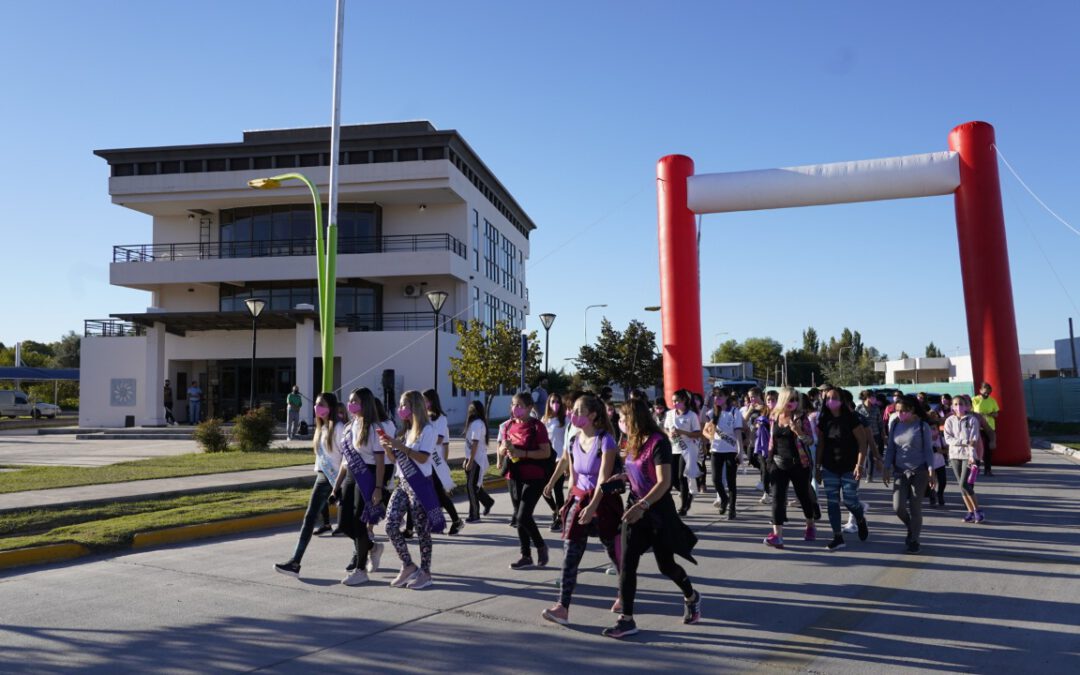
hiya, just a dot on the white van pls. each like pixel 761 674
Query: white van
pixel 14 404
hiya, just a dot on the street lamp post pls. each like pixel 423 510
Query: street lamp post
pixel 547 319
pixel 436 298
pixel 325 265
pixel 587 321
pixel 255 307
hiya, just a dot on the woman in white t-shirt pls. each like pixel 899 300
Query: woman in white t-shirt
pixel 326 443
pixel 440 469
pixel 684 427
pixel 361 443
pixel 417 443
pixel 476 461
pixel 556 422
pixel 723 427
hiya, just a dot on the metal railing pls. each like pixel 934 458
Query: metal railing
pixel 270 248
pixel 394 321
pixel 111 328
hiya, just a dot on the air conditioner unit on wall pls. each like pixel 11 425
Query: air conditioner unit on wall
pixel 412 291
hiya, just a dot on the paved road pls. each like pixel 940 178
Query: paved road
pixel 999 597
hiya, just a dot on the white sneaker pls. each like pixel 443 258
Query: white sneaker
pixel 717 503
pixel 405 576
pixel 850 526
pixel 355 578
pixel 374 557
pixel 420 581
pixel 765 498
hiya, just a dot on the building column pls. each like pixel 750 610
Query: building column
pixel 305 364
pixel 154 378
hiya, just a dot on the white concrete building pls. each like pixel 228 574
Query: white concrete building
pixel 958 368
pixel 418 211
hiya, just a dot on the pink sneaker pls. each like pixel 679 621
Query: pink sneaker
pixel 774 540
pixel 811 533
pixel 557 614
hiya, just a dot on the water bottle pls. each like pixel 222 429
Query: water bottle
pixel 973 473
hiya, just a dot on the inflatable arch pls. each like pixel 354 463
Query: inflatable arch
pixel 968 170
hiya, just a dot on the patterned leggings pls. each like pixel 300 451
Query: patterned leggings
pixel 403 500
pixel 573 551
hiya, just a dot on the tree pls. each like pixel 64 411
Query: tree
pixel 810 342
pixel 763 352
pixel 628 358
pixel 66 351
pixel 490 358
pixel 904 355
pixel 728 352
pixel 932 351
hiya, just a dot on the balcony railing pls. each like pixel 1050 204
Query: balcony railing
pixel 272 248
pixel 111 328
pixel 394 321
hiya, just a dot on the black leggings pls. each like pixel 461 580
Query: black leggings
pixel 685 498
pixel 349 509
pixel 940 474
pixel 530 491
pixel 573 552
pixel 477 494
pixel 557 498
pixel 799 478
pixel 725 464
pixel 639 538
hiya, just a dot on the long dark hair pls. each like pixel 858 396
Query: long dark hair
pixel 640 425
pixel 686 397
pixel 369 413
pixel 845 401
pixel 476 412
pixel 330 401
pixel 435 411
pixel 560 415
pixel 912 404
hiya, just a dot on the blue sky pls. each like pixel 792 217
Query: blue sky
pixel 571 104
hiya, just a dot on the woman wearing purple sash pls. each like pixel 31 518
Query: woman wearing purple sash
pixel 361 482
pixel 650 520
pixel 411 452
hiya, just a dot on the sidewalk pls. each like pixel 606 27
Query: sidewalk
pixel 998 597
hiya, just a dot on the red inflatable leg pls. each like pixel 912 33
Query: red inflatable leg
pixel 680 296
pixel 984 264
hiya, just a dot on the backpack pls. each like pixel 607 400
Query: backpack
pixel 303 428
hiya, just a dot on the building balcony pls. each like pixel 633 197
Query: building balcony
pixel 182 323
pixel 148 266
pixel 141 253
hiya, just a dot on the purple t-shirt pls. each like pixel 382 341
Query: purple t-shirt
pixel 587 464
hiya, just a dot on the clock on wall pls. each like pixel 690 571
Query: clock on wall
pixel 122 392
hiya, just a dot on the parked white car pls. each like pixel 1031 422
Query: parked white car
pixel 14 404
pixel 42 409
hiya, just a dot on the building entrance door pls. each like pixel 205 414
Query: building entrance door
pixel 274 379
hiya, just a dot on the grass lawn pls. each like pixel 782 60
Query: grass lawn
pixel 194 464
pixel 109 526
pixel 1074 446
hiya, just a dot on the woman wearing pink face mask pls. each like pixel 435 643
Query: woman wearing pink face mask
pixel 326 443
pixel 843 446
pixel 590 509
pixel 555 421
pixel 789 464
pixel 909 455
pixel 526 445
pixel 683 426
pixel 965 453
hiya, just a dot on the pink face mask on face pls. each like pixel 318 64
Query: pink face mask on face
pixel 354 408
pixel 404 413
pixel 579 421
pixel 834 404
pixel 322 411
pixel 518 412
pixel 555 407
pixel 961 410
pixel 681 407
pixel 904 416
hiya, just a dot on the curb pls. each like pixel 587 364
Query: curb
pixel 41 554
pixel 1064 450
pixel 52 553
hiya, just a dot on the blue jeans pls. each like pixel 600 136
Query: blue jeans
pixel 194 410
pixel 835 484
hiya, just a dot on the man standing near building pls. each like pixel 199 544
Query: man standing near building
pixel 985 405
pixel 293 403
pixel 540 396
pixel 194 402
pixel 168 396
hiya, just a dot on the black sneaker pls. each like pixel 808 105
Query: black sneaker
pixel 864 531
pixel 408 534
pixel 322 530
pixel 542 557
pixel 691 610
pixel 352 565
pixel 456 527
pixel 524 562
pixel 836 544
pixel 556 525
pixel 473 520
pixel 487 509
pixel 913 546
pixel 621 629
pixel 289 568
pixel 731 515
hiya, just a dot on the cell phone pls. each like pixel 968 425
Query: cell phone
pixel 381 432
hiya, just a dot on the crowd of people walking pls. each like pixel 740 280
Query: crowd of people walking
pixel 612 472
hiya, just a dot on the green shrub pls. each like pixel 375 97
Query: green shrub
pixel 211 437
pixel 254 430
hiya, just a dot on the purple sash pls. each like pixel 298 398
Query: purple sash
pixel 365 481
pixel 424 490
